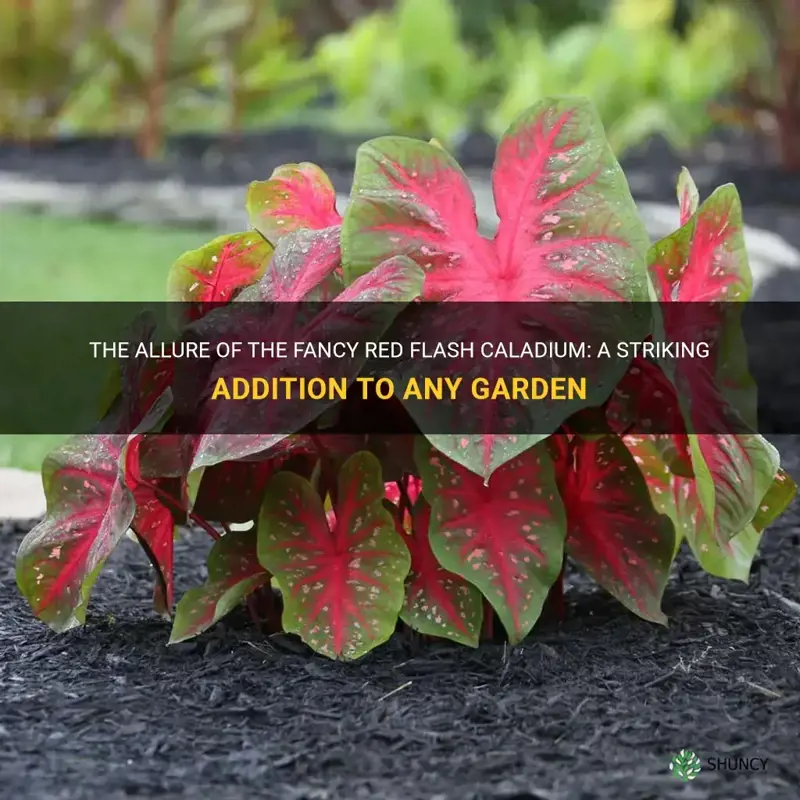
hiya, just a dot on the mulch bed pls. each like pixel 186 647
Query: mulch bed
pixel 591 709
pixel 211 160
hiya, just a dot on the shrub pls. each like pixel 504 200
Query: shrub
pixel 644 78
pixel 261 75
pixel 147 68
pixel 772 88
pixel 42 61
pixel 353 535
pixel 407 71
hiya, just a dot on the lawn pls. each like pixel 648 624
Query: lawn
pixel 48 259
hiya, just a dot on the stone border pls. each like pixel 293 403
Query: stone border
pixel 169 203
pixel 173 203
pixel 21 495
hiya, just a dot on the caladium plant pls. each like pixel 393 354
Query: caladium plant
pixel 353 535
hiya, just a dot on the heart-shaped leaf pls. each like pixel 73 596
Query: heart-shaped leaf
pixel 568 230
pixel 215 272
pixel 238 429
pixel 88 511
pixel 234 572
pixel 506 536
pixel 705 260
pixel 733 474
pixel 438 602
pixel 159 506
pixel 615 534
pixel 296 196
pixel 678 498
pixel 343 585
pixel 703 276
pixel 302 269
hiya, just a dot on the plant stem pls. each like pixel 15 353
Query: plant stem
pixel 205 525
pixel 789 139
pixel 556 595
pixel 233 78
pixel 487 631
pixel 168 499
pixel 405 501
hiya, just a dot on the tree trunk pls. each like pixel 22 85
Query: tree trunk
pixel 789 138
pixel 152 132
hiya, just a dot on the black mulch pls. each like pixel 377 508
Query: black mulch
pixel 593 709
pixel 212 160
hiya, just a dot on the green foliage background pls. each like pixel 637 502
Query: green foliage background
pixel 438 68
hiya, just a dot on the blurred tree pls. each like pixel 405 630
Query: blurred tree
pixel 146 66
pixel 260 70
pixel 642 76
pixel 314 19
pixel 409 71
pixel 155 82
pixel 773 88
pixel 42 60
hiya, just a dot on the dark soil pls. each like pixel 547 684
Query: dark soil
pixel 220 161
pixel 591 710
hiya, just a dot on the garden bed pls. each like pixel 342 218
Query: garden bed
pixel 588 710
pixel 220 161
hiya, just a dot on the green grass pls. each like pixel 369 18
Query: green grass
pixel 46 259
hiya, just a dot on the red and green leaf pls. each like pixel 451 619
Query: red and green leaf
pixel 438 602
pixel 505 536
pixel 159 507
pixel 615 533
pixel 678 498
pixel 568 230
pixel 215 272
pixel 568 226
pixel 303 269
pixel 733 474
pixel 136 383
pixel 342 585
pixel 89 509
pixel 705 260
pixel 234 572
pixel 702 264
pixel 645 399
pixel 387 289
pixel 778 498
pixel 296 197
